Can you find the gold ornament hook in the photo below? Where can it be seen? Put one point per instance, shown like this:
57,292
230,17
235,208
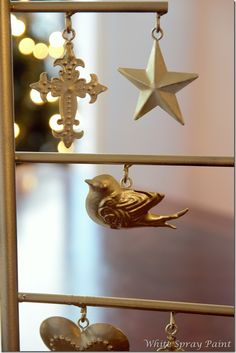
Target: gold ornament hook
126,181
171,331
68,28
158,22
68,21
83,322
158,28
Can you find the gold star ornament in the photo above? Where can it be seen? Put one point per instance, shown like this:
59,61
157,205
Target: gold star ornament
157,85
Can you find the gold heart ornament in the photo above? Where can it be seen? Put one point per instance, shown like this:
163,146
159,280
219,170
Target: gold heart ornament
60,334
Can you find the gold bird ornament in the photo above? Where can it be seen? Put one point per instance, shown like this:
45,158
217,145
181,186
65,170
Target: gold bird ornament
110,204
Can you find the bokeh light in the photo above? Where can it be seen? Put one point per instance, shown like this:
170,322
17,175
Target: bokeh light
53,122
26,46
56,40
40,51
63,149
56,52
50,98
35,97
17,26
29,182
16,130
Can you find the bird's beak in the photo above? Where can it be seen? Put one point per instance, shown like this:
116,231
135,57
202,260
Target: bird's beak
89,181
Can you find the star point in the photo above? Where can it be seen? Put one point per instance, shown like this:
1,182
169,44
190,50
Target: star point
157,85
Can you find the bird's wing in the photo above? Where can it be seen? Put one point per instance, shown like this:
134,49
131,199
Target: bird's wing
138,202
128,207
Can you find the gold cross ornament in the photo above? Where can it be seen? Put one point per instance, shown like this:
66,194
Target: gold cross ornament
68,87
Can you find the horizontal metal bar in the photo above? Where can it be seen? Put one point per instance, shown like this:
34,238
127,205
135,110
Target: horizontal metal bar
89,6
129,303
77,158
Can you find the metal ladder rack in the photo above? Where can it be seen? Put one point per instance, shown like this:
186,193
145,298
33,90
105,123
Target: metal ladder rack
10,297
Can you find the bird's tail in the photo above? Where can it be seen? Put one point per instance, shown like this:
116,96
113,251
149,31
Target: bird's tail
153,220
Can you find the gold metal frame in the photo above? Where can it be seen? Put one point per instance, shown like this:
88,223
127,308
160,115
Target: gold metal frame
8,241
129,303
160,7
8,157
43,157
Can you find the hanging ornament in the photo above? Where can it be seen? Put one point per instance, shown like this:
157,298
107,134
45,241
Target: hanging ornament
171,331
62,335
157,85
68,87
116,205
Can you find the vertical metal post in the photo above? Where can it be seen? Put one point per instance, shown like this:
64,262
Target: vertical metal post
8,240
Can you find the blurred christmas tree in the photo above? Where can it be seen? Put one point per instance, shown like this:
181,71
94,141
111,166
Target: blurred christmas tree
32,119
